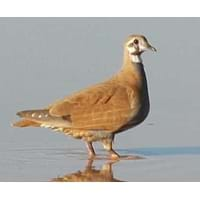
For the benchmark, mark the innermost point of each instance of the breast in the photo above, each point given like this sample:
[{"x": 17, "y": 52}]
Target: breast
[
  {"x": 139, "y": 115},
  {"x": 138, "y": 118}
]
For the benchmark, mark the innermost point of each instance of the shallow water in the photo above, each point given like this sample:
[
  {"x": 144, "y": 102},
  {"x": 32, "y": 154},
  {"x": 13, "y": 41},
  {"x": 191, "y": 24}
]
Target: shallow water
[
  {"x": 42, "y": 60},
  {"x": 63, "y": 164}
]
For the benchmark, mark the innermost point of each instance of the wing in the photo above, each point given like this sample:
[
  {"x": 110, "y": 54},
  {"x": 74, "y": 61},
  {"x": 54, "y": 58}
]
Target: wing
[{"x": 105, "y": 106}]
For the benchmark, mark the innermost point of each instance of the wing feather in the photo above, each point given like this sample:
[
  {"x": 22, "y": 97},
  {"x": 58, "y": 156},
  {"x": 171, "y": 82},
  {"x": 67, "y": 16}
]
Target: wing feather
[{"x": 104, "y": 106}]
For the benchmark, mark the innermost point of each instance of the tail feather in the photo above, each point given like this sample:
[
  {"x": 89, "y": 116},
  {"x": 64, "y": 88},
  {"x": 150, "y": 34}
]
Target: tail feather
[
  {"x": 34, "y": 114},
  {"x": 25, "y": 123},
  {"x": 41, "y": 118}
]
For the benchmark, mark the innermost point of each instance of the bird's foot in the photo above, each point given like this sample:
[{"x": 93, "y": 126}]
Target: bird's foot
[
  {"x": 128, "y": 157},
  {"x": 115, "y": 156}
]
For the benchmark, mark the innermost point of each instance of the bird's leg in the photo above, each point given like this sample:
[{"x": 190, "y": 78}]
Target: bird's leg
[
  {"x": 107, "y": 144},
  {"x": 91, "y": 152},
  {"x": 113, "y": 155}
]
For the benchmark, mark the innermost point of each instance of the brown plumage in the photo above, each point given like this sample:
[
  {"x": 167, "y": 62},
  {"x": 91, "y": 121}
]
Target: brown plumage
[{"x": 99, "y": 112}]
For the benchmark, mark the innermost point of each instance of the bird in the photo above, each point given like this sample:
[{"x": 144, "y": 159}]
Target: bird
[{"x": 99, "y": 112}]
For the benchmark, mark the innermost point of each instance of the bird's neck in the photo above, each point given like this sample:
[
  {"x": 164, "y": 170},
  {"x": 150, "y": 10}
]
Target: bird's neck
[{"x": 132, "y": 66}]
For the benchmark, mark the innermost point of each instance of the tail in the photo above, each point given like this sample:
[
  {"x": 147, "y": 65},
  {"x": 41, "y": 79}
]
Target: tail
[
  {"x": 25, "y": 123},
  {"x": 37, "y": 118},
  {"x": 31, "y": 118}
]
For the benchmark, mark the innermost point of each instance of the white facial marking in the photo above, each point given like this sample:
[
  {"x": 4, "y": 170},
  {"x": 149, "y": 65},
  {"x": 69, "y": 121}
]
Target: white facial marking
[
  {"x": 132, "y": 50},
  {"x": 46, "y": 115},
  {"x": 142, "y": 48},
  {"x": 40, "y": 116},
  {"x": 136, "y": 58},
  {"x": 33, "y": 115}
]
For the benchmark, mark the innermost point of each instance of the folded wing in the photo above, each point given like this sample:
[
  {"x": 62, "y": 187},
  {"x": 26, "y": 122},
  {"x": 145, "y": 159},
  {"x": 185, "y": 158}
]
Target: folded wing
[{"x": 105, "y": 106}]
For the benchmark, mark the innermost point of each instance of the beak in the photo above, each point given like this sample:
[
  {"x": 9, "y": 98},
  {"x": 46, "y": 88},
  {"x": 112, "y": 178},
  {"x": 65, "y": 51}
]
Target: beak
[{"x": 152, "y": 48}]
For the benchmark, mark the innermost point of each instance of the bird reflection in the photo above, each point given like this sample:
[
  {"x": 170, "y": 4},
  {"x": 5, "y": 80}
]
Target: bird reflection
[{"x": 91, "y": 174}]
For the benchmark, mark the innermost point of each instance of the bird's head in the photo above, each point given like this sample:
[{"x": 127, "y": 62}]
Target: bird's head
[{"x": 136, "y": 45}]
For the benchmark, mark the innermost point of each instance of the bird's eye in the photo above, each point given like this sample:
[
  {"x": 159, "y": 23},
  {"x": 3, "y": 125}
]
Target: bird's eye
[{"x": 135, "y": 41}]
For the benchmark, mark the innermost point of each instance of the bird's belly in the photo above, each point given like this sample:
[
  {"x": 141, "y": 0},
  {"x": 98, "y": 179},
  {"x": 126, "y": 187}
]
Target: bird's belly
[{"x": 87, "y": 135}]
